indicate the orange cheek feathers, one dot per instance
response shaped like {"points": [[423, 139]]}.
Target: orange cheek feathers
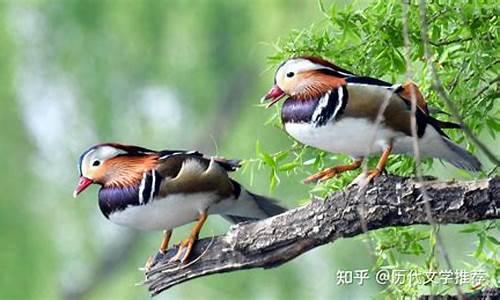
{"points": [[314, 84], [126, 170]]}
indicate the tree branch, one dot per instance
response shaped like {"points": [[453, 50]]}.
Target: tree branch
{"points": [[217, 128], [486, 294], [390, 201]]}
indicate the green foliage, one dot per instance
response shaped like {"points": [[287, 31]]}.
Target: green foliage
{"points": [[152, 73], [78, 72], [486, 252], [369, 41]]}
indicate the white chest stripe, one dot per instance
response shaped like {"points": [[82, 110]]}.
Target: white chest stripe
{"points": [[340, 103], [153, 185], [329, 106], [141, 188], [323, 102]]}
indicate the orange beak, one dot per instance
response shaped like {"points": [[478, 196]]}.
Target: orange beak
{"points": [[274, 94], [83, 183]]}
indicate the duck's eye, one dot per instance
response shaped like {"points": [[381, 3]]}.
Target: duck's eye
{"points": [[96, 163], [290, 74]]}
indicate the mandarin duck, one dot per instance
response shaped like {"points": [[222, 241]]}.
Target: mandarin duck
{"points": [[332, 109], [162, 190]]}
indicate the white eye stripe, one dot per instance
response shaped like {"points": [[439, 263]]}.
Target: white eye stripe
{"points": [[85, 162], [298, 65], [99, 153], [106, 152], [336, 71]]}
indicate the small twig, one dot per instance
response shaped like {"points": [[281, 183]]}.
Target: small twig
{"points": [[361, 190], [323, 10], [439, 14], [449, 42], [486, 87], [454, 83], [483, 69]]}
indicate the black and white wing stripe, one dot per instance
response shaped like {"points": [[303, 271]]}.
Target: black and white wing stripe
{"points": [[228, 164], [330, 106], [168, 153], [149, 186]]}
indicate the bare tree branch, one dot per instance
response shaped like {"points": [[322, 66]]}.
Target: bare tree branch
{"points": [[486, 294], [390, 201]]}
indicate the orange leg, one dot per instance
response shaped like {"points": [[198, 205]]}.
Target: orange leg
{"points": [[166, 238], [380, 165], [163, 248], [330, 172], [186, 245]]}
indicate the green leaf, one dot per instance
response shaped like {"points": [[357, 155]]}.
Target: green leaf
{"points": [[480, 245], [280, 156], [268, 160], [493, 123], [470, 229], [288, 166], [273, 180], [493, 240]]}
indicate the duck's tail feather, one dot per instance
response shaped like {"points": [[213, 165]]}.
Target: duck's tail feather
{"points": [[460, 157], [250, 207]]}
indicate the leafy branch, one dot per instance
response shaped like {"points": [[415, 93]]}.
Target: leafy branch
{"points": [[465, 60]]}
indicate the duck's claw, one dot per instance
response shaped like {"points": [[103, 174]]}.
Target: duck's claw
{"points": [[184, 250]]}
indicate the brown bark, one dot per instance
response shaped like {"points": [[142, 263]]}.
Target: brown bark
{"points": [[389, 201]]}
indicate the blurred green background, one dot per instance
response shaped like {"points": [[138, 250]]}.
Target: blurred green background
{"points": [[161, 74]]}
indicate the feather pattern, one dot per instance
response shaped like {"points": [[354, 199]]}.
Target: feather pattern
{"points": [[298, 111], [125, 170], [146, 175], [324, 110], [149, 186], [330, 106], [148, 189], [326, 100], [113, 199]]}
